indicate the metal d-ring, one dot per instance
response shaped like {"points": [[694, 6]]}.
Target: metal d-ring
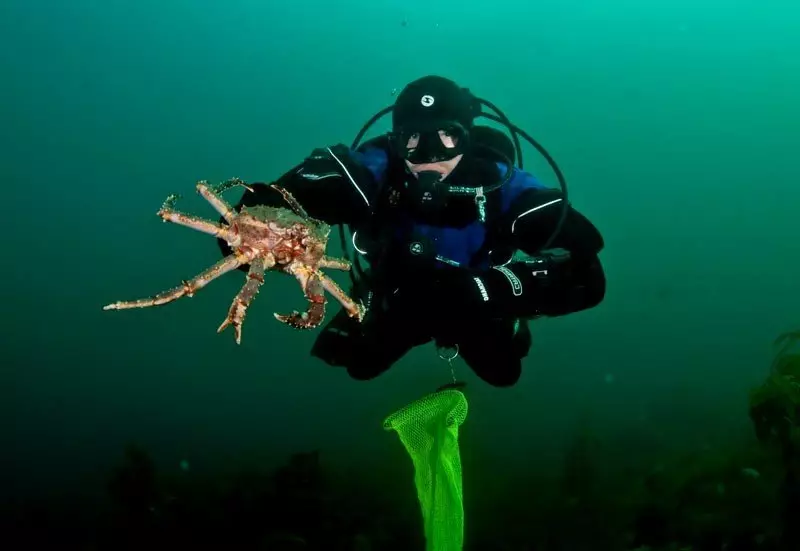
{"points": [[442, 352]]}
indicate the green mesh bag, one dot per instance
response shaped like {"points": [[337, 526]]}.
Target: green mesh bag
{"points": [[428, 428]]}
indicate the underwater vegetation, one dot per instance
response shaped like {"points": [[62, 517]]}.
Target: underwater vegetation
{"points": [[742, 497], [775, 412], [775, 404]]}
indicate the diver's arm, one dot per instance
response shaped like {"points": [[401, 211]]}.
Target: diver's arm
{"points": [[546, 284], [333, 184], [535, 214], [542, 286]]}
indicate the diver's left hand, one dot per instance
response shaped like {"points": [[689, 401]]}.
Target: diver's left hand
{"points": [[437, 294]]}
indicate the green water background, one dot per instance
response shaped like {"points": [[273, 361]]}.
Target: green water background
{"points": [[675, 122]]}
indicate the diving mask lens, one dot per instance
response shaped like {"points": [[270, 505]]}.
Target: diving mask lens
{"points": [[430, 146]]}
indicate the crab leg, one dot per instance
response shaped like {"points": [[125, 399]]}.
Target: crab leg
{"points": [[289, 198], [354, 309], [188, 288], [238, 309], [169, 214], [222, 187], [334, 263], [315, 293], [212, 195]]}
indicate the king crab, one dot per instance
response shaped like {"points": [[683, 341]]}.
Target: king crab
{"points": [[266, 238]]}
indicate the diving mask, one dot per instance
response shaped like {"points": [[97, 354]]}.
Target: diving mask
{"points": [[436, 143]]}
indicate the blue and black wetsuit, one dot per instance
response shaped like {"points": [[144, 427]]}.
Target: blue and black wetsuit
{"points": [[483, 294]]}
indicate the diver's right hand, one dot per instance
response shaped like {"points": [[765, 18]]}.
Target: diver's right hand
{"points": [[324, 163], [331, 185]]}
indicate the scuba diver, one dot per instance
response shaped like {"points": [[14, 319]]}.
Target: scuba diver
{"points": [[462, 246]]}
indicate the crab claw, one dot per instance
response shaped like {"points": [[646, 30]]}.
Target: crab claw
{"points": [[305, 320], [238, 309], [236, 321], [311, 283]]}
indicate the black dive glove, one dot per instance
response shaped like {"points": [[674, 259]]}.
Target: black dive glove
{"points": [[332, 186], [538, 286], [329, 184], [324, 163], [430, 295], [427, 287]]}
